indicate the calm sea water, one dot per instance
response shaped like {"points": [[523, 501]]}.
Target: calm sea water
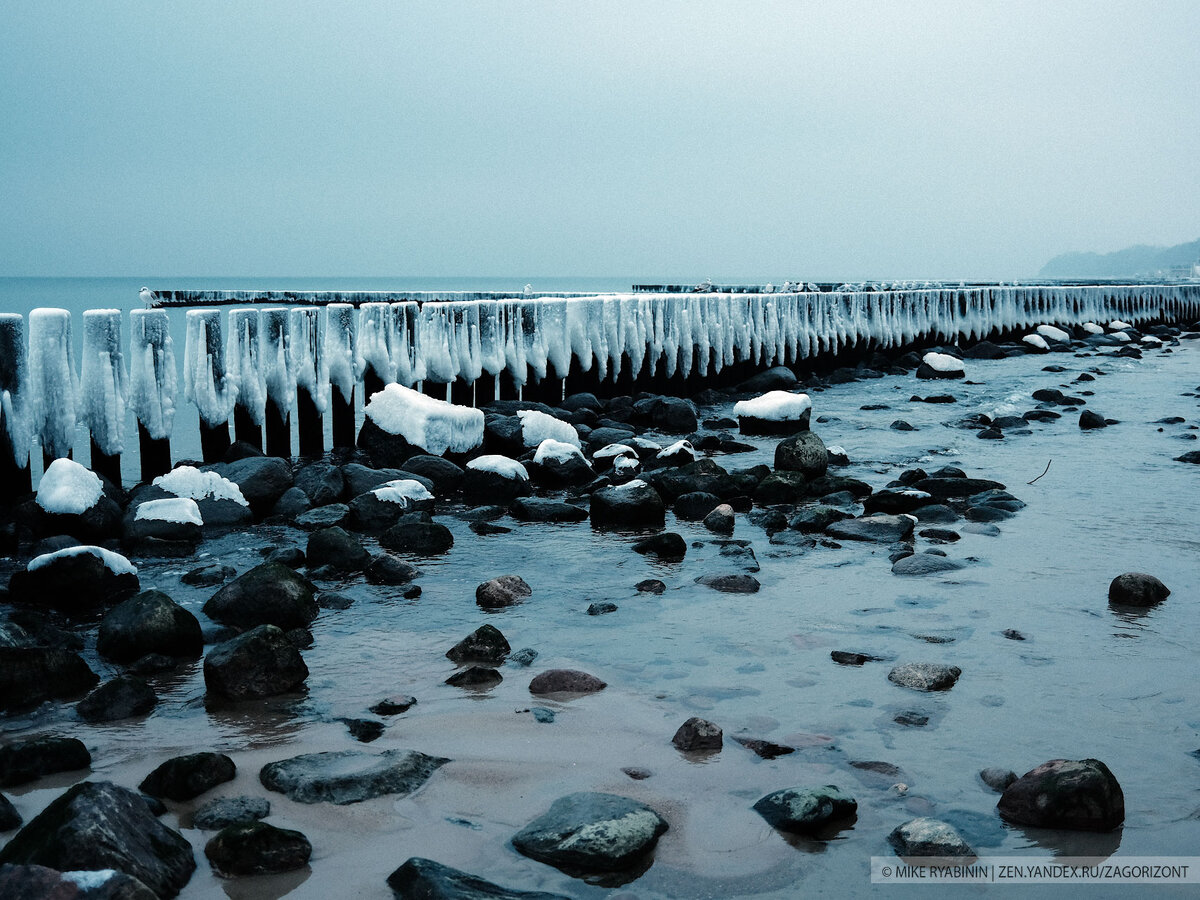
{"points": [[1086, 682]]}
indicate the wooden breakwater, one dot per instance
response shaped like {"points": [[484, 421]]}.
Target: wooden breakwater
{"points": [[256, 368]]}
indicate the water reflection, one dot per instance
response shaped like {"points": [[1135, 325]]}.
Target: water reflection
{"points": [[1069, 843], [265, 887]]}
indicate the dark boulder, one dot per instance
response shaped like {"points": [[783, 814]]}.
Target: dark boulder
{"points": [[721, 520], [998, 779], [565, 681], [429, 880], [698, 734], [224, 811], [270, 594], [545, 509], [475, 677], [778, 378], [75, 580], [730, 584], [256, 848], [24, 761], [321, 482], [502, 591], [30, 675], [483, 485], [150, 622], [384, 449], [672, 415], [1081, 795], [187, 777], [446, 476], [805, 810], [925, 676], [349, 776], [696, 505], [121, 697], [881, 528], [805, 453], [1137, 589], [293, 504], [635, 504], [918, 564], [1089, 419], [417, 533], [337, 548], [208, 576], [262, 480], [330, 516], [945, 488], [260, 663], [812, 519], [592, 832], [485, 644], [667, 545]]}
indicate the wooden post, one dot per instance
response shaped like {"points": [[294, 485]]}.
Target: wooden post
{"points": [[310, 370], [152, 388], [52, 382], [207, 383], [102, 380], [344, 365], [245, 368], [16, 476], [281, 383]]}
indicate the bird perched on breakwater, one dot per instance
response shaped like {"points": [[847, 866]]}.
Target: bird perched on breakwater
{"points": [[149, 298]]}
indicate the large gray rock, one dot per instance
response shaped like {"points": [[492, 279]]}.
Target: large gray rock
{"points": [[270, 594], [565, 681], [256, 848], [349, 776], [1078, 794], [804, 452], [118, 698], [1137, 589], [805, 810], [925, 676], [224, 811], [635, 504], [928, 837], [446, 476], [417, 533], [321, 482], [261, 479], [673, 415], [187, 777], [337, 548], [429, 880], [371, 515], [882, 528], [483, 645], [925, 564], [24, 761], [31, 675], [103, 826], [698, 734], [76, 583], [547, 509], [502, 591], [592, 832], [150, 622], [260, 663]]}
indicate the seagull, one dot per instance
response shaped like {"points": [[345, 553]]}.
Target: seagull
{"points": [[149, 298]]}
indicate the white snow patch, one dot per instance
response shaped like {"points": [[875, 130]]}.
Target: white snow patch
{"points": [[836, 450], [1118, 325], [1050, 333], [623, 464], [68, 489], [630, 485], [1122, 337], [116, 563], [611, 450], [774, 406], [1092, 328], [404, 491], [500, 465], [1036, 340], [190, 482], [538, 426], [943, 362], [89, 881], [433, 425], [683, 447], [559, 451], [1151, 339], [182, 510]]}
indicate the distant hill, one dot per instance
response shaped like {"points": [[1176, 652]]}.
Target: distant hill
{"points": [[1127, 263]]}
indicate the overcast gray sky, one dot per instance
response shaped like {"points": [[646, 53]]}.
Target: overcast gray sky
{"points": [[674, 140]]}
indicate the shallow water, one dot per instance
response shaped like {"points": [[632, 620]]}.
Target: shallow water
{"points": [[1087, 682]]}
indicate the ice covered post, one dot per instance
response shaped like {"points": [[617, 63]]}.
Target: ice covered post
{"points": [[152, 384], [373, 349], [246, 371], [306, 355], [206, 382], [15, 437], [102, 379], [281, 384], [52, 382], [345, 368]]}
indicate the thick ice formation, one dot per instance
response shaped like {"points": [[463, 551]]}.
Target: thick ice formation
{"points": [[205, 381], [500, 465], [277, 370], [245, 362], [404, 491], [433, 425], [943, 362], [1050, 333], [115, 562], [774, 406], [103, 380], [68, 489], [53, 389], [14, 388], [342, 361], [182, 510], [557, 451], [152, 378], [190, 482], [538, 426], [306, 355], [1036, 340], [371, 343]]}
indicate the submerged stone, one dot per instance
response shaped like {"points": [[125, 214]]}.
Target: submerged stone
{"points": [[592, 832]]}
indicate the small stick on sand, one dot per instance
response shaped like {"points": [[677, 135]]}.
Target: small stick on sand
{"points": [[1047, 469]]}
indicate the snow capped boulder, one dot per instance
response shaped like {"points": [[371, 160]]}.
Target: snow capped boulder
{"points": [[400, 421], [1118, 325], [218, 499], [635, 504], [1092, 328], [558, 463], [1036, 343], [71, 500], [75, 579], [605, 458], [380, 508], [168, 527], [1053, 334], [538, 427], [776, 412], [680, 453], [940, 365], [495, 479]]}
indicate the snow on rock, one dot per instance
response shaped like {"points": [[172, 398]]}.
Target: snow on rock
{"points": [[1092, 328], [1050, 333], [1122, 337], [181, 510], [114, 562], [1036, 340], [68, 489], [500, 465], [1151, 340], [624, 465], [774, 406], [53, 387], [102, 380], [152, 378], [404, 491], [433, 425], [613, 450], [190, 482], [539, 426], [943, 362], [679, 451], [557, 451], [90, 880], [1118, 325]]}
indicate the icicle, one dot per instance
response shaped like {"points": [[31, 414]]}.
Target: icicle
{"points": [[245, 365], [374, 321], [52, 381], [15, 397], [281, 383], [306, 355], [103, 380], [205, 381], [152, 378], [338, 348]]}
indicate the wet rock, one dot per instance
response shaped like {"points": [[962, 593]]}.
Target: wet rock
{"points": [[765, 749], [119, 698], [804, 810], [695, 505], [924, 564], [895, 500], [262, 480], [30, 675], [486, 486], [332, 600], [650, 586], [902, 425], [601, 609], [417, 533], [256, 848], [542, 509], [475, 677], [667, 545], [911, 719], [985, 350], [270, 594], [1192, 456], [781, 487], [565, 681], [1137, 589], [881, 528], [334, 514], [393, 706], [225, 811], [24, 761], [364, 730], [260, 663], [9, 817], [698, 734], [592, 832], [337, 548], [635, 504], [349, 776], [43, 883], [503, 591], [95, 826], [293, 503], [1089, 419], [672, 415], [778, 378], [484, 645], [150, 622], [430, 880], [804, 453], [950, 487], [385, 569], [998, 779], [730, 584], [370, 514], [928, 837], [76, 583], [940, 534], [812, 519], [187, 777], [852, 658], [1081, 795], [925, 676], [447, 477], [1012, 634], [208, 576], [321, 482]]}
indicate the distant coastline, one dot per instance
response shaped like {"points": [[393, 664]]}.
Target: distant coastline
{"points": [[1137, 261]]}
